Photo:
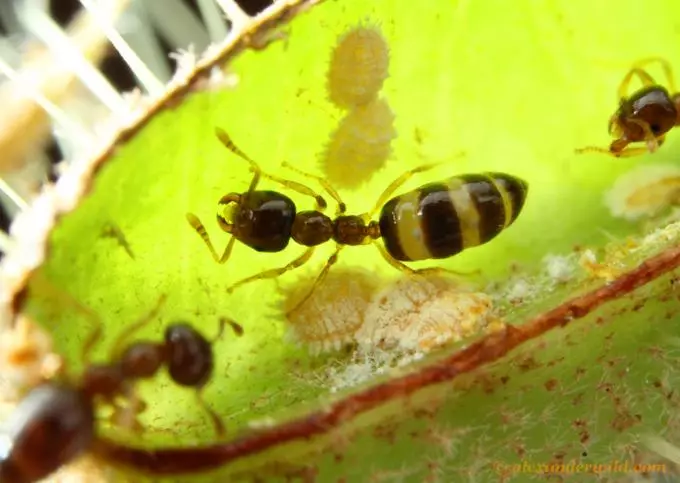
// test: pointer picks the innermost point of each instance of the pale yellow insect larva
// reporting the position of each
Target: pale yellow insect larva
(359, 66)
(360, 145)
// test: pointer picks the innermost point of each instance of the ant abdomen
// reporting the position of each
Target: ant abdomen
(189, 355)
(52, 425)
(439, 220)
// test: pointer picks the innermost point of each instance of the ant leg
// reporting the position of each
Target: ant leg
(236, 327)
(619, 148)
(275, 272)
(644, 77)
(631, 152)
(126, 413)
(319, 279)
(598, 149)
(225, 139)
(392, 261)
(203, 233)
(447, 271)
(220, 330)
(255, 168)
(223, 322)
(59, 297)
(385, 196)
(665, 66)
(660, 140)
(651, 141)
(117, 347)
(342, 207)
(93, 338)
(626, 152)
(214, 417)
(300, 188)
(420, 271)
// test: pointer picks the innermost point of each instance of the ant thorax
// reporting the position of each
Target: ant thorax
(353, 230)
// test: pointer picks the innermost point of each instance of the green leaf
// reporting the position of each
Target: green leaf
(517, 86)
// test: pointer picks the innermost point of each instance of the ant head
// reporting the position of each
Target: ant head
(263, 220)
(189, 355)
(650, 110)
(50, 427)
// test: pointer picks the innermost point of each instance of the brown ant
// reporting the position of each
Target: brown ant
(55, 422)
(645, 116)
(434, 221)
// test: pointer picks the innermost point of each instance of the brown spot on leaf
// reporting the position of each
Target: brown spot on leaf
(581, 427)
(551, 384)
(625, 420)
(527, 363)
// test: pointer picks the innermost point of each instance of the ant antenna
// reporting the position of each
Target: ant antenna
(135, 326)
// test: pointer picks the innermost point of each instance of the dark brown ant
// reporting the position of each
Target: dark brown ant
(55, 422)
(434, 221)
(645, 116)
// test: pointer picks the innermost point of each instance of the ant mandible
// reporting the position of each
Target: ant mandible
(434, 221)
(645, 116)
(55, 422)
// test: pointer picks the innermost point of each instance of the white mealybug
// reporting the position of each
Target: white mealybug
(358, 67)
(423, 313)
(360, 145)
(334, 312)
(644, 191)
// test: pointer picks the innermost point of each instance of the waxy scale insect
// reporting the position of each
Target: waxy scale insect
(358, 67)
(360, 145)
